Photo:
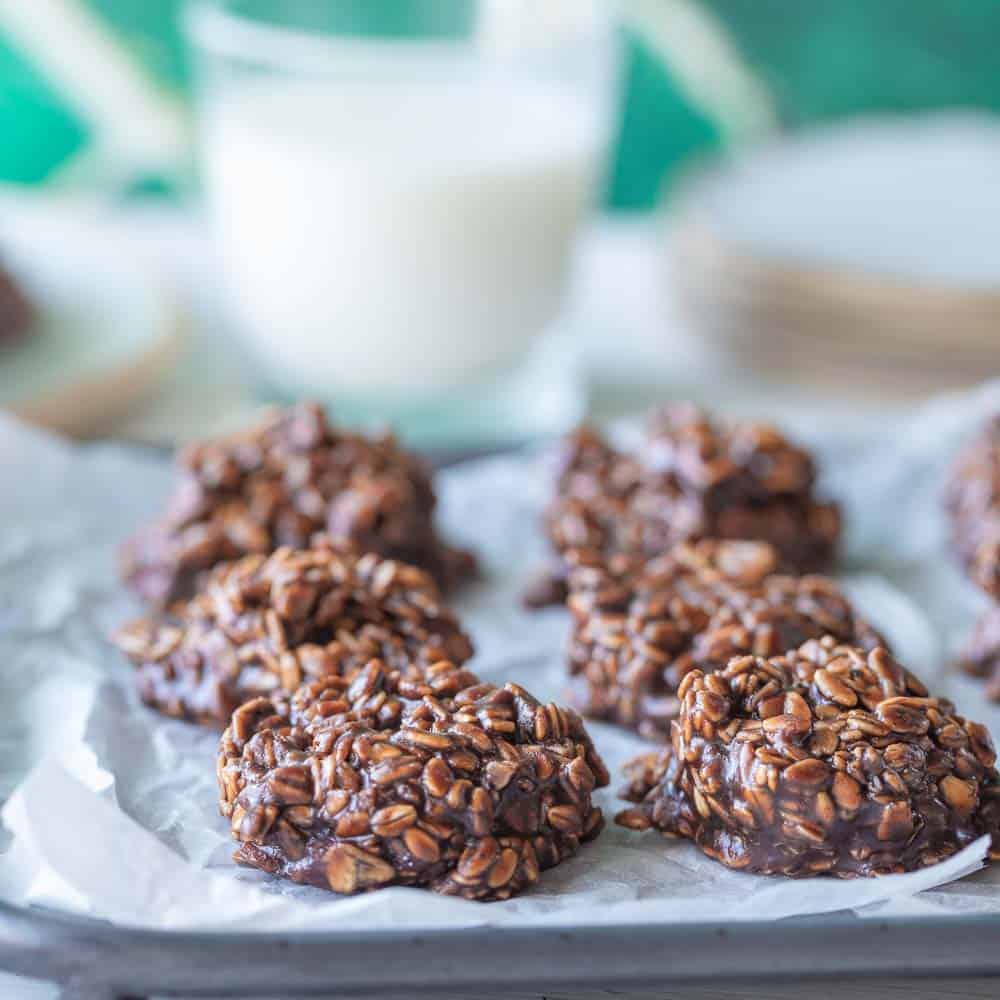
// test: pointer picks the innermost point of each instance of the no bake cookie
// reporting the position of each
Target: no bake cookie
(440, 781)
(828, 760)
(692, 477)
(268, 623)
(280, 483)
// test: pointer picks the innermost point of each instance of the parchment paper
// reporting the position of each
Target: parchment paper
(111, 810)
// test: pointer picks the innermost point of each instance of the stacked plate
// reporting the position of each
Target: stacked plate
(866, 254)
(108, 329)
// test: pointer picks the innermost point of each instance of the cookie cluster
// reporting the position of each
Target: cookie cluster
(358, 751)
(296, 603)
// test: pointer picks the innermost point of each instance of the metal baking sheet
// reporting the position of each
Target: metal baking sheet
(96, 960)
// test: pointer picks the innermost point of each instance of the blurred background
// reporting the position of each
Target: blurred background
(484, 221)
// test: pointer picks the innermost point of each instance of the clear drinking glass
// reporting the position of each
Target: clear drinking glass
(395, 190)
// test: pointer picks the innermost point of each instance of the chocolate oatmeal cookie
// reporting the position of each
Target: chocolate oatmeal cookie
(16, 311)
(265, 624)
(280, 483)
(692, 478)
(972, 498)
(440, 781)
(828, 760)
(980, 656)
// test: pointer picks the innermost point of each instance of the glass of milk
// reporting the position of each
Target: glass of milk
(395, 190)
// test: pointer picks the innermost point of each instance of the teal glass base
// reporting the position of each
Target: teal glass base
(544, 396)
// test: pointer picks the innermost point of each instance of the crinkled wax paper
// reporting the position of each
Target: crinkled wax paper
(111, 809)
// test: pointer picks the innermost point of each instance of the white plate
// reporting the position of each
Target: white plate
(912, 200)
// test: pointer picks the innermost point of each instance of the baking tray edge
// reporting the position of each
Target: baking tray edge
(97, 959)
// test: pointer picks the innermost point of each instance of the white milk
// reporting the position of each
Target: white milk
(376, 237)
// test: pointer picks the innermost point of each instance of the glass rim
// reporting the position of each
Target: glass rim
(211, 28)
(214, 29)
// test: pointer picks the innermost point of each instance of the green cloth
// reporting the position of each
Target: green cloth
(40, 132)
(818, 59)
(660, 129)
(824, 59)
